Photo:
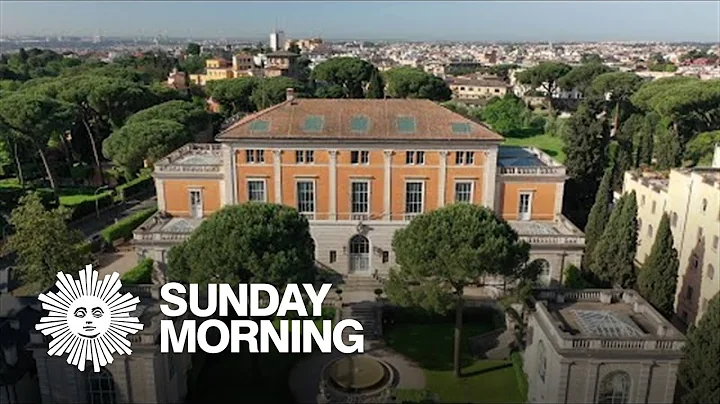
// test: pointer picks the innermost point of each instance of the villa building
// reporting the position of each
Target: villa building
(242, 65)
(599, 346)
(146, 376)
(691, 198)
(359, 170)
(473, 88)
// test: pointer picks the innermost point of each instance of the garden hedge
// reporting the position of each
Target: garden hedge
(87, 207)
(123, 228)
(517, 363)
(141, 274)
(134, 187)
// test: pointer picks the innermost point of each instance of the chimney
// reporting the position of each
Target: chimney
(289, 94)
(716, 156)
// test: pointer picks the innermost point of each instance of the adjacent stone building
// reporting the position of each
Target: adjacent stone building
(599, 346)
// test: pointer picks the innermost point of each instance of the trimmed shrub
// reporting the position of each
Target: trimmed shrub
(87, 207)
(123, 228)
(134, 187)
(141, 274)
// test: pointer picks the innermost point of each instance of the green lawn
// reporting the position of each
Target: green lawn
(552, 145)
(431, 346)
(76, 199)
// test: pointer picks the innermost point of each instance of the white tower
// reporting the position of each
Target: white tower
(277, 40)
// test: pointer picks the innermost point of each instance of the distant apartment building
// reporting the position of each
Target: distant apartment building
(277, 40)
(599, 346)
(281, 63)
(691, 198)
(305, 45)
(359, 170)
(242, 65)
(473, 88)
(177, 80)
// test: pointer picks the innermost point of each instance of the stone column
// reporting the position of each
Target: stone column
(643, 382)
(277, 175)
(559, 191)
(490, 174)
(333, 184)
(670, 384)
(387, 189)
(442, 177)
(563, 385)
(591, 381)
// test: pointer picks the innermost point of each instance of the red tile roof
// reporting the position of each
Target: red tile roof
(287, 120)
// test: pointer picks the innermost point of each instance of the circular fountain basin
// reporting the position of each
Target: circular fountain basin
(356, 372)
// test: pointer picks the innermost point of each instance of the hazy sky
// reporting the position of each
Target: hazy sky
(467, 21)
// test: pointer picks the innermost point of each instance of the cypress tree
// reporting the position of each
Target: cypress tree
(376, 88)
(646, 142)
(613, 256)
(699, 371)
(657, 279)
(599, 215)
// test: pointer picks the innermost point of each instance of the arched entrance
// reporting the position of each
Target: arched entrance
(359, 254)
(544, 278)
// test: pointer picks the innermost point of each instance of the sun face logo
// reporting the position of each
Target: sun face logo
(89, 318)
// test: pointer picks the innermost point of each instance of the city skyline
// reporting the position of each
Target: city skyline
(403, 21)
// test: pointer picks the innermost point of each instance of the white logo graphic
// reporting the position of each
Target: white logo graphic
(89, 319)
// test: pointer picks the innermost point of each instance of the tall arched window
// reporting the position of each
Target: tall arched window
(614, 388)
(359, 254)
(101, 387)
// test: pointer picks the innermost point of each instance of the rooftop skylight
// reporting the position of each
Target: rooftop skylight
(460, 127)
(259, 126)
(314, 123)
(359, 124)
(406, 124)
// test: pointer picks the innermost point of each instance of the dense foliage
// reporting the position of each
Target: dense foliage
(699, 371)
(409, 82)
(657, 280)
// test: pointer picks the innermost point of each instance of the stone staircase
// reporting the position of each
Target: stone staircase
(361, 283)
(495, 344)
(365, 313)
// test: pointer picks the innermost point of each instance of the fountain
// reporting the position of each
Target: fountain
(356, 378)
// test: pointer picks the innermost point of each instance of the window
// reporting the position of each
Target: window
(642, 200)
(650, 230)
(256, 191)
(614, 388)
(304, 156)
(689, 293)
(542, 361)
(460, 127)
(405, 124)
(639, 223)
(101, 387)
(259, 126)
(700, 235)
(413, 199)
(715, 243)
(314, 123)
(360, 200)
(465, 158)
(524, 206)
(359, 124)
(710, 272)
(463, 191)
(704, 205)
(385, 257)
(652, 209)
(333, 256)
(306, 198)
(196, 203)
(254, 156)
(695, 261)
(359, 157)
(674, 219)
(415, 157)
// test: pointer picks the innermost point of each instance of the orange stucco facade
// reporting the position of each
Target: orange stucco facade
(543, 199)
(177, 195)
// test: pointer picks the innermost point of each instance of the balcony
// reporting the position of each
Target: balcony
(527, 161)
(162, 228)
(192, 158)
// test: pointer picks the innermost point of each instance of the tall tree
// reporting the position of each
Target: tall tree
(506, 114)
(43, 242)
(614, 255)
(409, 82)
(667, 148)
(253, 242)
(133, 144)
(598, 217)
(657, 280)
(699, 369)
(36, 118)
(192, 116)
(193, 49)
(586, 140)
(581, 77)
(376, 87)
(441, 252)
(546, 76)
(233, 94)
(700, 149)
(347, 72)
(620, 86)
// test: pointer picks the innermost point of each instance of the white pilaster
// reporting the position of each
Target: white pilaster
(442, 177)
(387, 190)
(643, 382)
(228, 194)
(559, 191)
(160, 192)
(333, 184)
(277, 175)
(490, 171)
(591, 382)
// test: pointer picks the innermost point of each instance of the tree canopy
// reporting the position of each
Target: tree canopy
(506, 114)
(43, 242)
(598, 217)
(700, 149)
(699, 369)
(252, 242)
(234, 95)
(376, 87)
(351, 74)
(409, 82)
(545, 75)
(129, 146)
(613, 258)
(273, 91)
(581, 77)
(192, 116)
(441, 252)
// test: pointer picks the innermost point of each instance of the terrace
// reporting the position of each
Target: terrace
(195, 158)
(523, 161)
